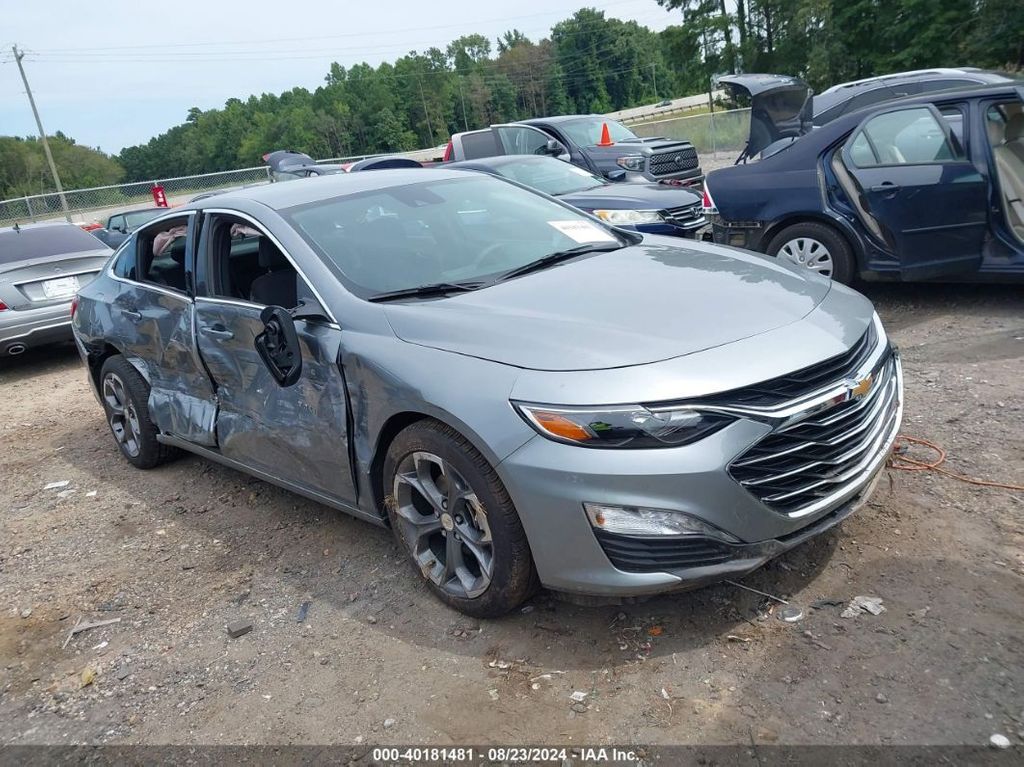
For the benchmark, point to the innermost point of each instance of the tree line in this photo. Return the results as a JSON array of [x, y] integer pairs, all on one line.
[[589, 63]]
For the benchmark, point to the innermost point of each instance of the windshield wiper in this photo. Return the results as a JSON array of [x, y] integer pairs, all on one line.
[[554, 258], [425, 291]]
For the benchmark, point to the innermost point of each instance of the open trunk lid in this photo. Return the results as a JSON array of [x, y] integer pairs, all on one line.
[[781, 107]]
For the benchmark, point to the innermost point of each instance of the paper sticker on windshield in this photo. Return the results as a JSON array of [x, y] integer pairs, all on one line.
[[582, 231]]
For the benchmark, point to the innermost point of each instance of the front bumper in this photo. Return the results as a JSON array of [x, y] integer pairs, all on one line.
[[34, 327], [671, 230], [549, 483]]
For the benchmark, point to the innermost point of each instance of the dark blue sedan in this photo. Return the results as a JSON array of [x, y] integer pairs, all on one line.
[[646, 207], [923, 188]]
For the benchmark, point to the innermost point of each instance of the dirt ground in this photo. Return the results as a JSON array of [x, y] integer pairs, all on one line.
[[348, 647]]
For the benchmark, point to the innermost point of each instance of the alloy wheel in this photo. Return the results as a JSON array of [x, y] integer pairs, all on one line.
[[124, 420], [444, 525], [809, 253]]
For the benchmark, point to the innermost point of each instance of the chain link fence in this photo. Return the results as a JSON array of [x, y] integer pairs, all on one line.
[[717, 135], [97, 203]]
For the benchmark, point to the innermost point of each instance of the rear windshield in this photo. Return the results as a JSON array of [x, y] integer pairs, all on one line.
[[481, 144], [30, 243]]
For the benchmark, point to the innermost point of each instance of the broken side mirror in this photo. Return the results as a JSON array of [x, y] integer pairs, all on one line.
[[310, 309], [278, 345]]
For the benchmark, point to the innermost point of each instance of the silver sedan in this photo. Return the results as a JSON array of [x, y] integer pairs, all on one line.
[[524, 394]]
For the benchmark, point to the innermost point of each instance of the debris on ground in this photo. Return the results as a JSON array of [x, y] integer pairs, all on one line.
[[239, 628], [791, 614], [919, 614], [882, 698], [80, 627], [389, 723], [88, 676], [26, 613], [821, 604], [999, 741], [861, 605], [655, 631], [578, 696], [755, 591], [738, 638], [57, 485], [303, 612]]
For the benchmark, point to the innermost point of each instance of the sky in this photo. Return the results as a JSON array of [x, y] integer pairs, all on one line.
[[114, 73]]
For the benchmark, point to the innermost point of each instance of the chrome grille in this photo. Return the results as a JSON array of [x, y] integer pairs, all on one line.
[[674, 161], [685, 216], [799, 466]]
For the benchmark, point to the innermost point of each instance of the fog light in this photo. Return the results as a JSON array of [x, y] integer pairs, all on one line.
[[639, 521]]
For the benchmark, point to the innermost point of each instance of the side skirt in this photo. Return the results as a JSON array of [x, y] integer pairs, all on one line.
[[312, 495]]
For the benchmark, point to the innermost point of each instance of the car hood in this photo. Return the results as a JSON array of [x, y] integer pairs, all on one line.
[[780, 107], [640, 304], [632, 197]]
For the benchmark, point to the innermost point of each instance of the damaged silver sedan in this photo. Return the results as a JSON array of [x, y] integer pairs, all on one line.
[[524, 394]]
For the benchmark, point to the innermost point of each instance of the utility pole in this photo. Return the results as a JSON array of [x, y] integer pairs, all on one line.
[[654, 75], [18, 56], [426, 113], [465, 120]]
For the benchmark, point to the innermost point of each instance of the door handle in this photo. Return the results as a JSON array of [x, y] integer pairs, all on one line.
[[886, 187], [217, 331], [132, 315]]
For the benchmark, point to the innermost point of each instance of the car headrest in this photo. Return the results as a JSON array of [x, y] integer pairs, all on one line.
[[1014, 127], [269, 255]]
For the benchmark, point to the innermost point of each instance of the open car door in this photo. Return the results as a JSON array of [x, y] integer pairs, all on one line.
[[918, 192]]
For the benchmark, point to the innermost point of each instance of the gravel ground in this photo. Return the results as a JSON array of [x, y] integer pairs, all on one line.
[[347, 647]]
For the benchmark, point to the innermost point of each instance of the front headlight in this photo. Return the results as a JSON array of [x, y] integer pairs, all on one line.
[[630, 216], [633, 162], [631, 426]]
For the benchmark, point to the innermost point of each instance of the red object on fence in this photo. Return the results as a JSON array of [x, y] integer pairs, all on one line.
[[159, 198]]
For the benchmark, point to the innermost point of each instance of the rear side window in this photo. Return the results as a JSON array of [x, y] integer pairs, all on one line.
[[160, 253], [906, 137], [481, 144], [44, 241]]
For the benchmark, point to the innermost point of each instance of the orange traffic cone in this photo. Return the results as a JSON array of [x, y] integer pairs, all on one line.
[[606, 137]]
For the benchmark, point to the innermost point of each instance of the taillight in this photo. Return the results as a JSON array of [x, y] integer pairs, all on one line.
[[74, 306], [3, 306], [708, 202], [448, 151]]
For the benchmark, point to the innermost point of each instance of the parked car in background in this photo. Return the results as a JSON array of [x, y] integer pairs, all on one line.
[[42, 266], [288, 165], [651, 208], [595, 143], [120, 225], [849, 97], [524, 394], [920, 188]]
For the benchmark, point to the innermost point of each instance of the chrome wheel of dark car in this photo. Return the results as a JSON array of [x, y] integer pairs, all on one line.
[[445, 525], [124, 419], [810, 253]]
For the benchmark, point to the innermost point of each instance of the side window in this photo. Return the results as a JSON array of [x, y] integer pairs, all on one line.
[[522, 140], [954, 117], [477, 144], [906, 137], [160, 253], [246, 265], [124, 260]]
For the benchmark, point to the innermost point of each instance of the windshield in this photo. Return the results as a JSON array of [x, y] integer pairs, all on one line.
[[549, 175], [449, 230], [587, 131], [44, 241]]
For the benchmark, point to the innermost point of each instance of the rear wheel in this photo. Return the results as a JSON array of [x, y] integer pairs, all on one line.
[[817, 247], [125, 396], [450, 512]]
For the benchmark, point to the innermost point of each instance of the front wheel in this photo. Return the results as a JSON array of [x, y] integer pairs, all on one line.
[[450, 512], [817, 247]]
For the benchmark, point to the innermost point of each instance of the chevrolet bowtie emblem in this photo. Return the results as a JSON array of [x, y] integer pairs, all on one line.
[[859, 389]]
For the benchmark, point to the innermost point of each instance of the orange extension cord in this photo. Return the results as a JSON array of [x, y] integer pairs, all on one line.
[[900, 461]]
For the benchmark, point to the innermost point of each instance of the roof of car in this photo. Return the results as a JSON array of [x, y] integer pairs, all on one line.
[[555, 119], [981, 75], [303, 191], [37, 225]]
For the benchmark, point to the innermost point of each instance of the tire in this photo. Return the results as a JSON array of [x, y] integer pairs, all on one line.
[[125, 397], [814, 237], [446, 504]]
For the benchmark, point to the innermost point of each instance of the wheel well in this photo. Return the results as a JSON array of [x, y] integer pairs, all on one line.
[[387, 435], [778, 226], [96, 360]]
